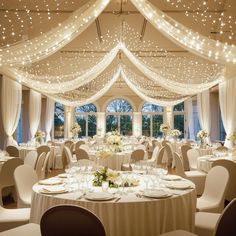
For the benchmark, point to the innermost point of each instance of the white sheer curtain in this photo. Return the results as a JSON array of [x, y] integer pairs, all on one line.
[[49, 116], [11, 107], [204, 113], [227, 97], [189, 107], [34, 111]]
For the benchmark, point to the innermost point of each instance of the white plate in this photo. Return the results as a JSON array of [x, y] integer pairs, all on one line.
[[171, 177], [155, 193], [179, 185], [64, 175], [50, 182], [53, 190], [99, 196]]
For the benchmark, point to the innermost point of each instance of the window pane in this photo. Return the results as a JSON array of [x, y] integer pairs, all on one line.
[[81, 120], [148, 107], [111, 123], [156, 122], [146, 120], [119, 105], [86, 108], [179, 123], [179, 107], [59, 121], [92, 125], [126, 125]]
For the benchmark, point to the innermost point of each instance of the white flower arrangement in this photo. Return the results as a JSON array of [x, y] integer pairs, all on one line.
[[175, 133], [39, 135], [113, 138], [202, 135], [232, 136], [164, 128], [103, 154], [75, 129]]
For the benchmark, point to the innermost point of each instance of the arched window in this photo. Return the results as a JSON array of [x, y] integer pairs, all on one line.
[[178, 112], [86, 117], [152, 118], [119, 116], [59, 120]]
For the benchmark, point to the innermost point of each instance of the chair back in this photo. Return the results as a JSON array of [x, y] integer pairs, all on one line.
[[193, 155], [155, 143], [13, 151], [81, 154], [39, 165], [141, 146], [43, 148], [31, 158], [76, 221], [231, 167], [184, 148], [164, 142], [179, 168], [68, 143], [226, 223], [87, 163], [160, 156], [25, 177], [137, 155], [68, 154], [78, 144], [216, 186], [84, 147], [169, 152], [222, 149], [51, 143], [155, 153]]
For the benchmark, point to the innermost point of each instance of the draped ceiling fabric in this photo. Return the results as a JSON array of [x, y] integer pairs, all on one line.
[[11, 97], [227, 97], [34, 111], [204, 111], [49, 117]]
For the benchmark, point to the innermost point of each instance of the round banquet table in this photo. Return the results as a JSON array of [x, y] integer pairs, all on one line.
[[129, 216]]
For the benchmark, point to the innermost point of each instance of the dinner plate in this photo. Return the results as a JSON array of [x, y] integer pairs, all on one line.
[[171, 177], [53, 190], [50, 182], [178, 185], [99, 196], [64, 175], [154, 193]]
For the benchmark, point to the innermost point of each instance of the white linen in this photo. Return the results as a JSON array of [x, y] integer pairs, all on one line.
[[227, 97], [49, 117], [11, 107], [34, 111]]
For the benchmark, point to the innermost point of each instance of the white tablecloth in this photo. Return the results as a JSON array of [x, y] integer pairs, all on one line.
[[131, 215]]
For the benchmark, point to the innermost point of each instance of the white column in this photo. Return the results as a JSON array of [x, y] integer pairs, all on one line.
[[69, 120], [101, 123], [137, 124], [168, 117]]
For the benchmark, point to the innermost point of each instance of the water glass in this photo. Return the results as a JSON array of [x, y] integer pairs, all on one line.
[[105, 186]]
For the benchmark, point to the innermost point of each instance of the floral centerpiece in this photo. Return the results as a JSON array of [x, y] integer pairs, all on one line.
[[175, 133], [202, 135], [231, 138], [103, 154], [164, 129], [39, 135], [114, 140], [75, 130]]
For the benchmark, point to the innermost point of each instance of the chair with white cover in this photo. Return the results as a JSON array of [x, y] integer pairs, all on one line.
[[43, 148], [164, 142], [31, 158], [6, 174], [136, 156], [86, 163], [222, 149], [197, 177], [84, 147], [81, 154], [231, 167], [154, 156], [160, 156], [13, 151], [184, 149], [76, 221], [42, 160], [178, 233], [69, 157], [65, 161], [215, 224], [51, 143], [212, 199], [25, 177], [140, 146], [11, 218], [169, 152], [193, 155], [30, 229]]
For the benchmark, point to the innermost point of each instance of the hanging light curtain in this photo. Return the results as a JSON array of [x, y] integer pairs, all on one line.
[[183, 36], [227, 97], [11, 107], [34, 111], [49, 117], [204, 111]]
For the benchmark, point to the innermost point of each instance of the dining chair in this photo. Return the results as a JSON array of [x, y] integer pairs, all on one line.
[[197, 177], [155, 143], [31, 158], [51, 143], [6, 174], [25, 177], [39, 166], [65, 161], [154, 156], [76, 221], [215, 224], [231, 167], [30, 229], [69, 157], [160, 156], [222, 149], [184, 149], [13, 151], [178, 233], [11, 218], [212, 199], [81, 154], [193, 155], [169, 152], [68, 143], [43, 148], [140, 146], [164, 142], [136, 156], [84, 147], [78, 144]]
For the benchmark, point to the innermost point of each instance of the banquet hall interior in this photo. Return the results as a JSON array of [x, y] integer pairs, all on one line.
[[117, 117]]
